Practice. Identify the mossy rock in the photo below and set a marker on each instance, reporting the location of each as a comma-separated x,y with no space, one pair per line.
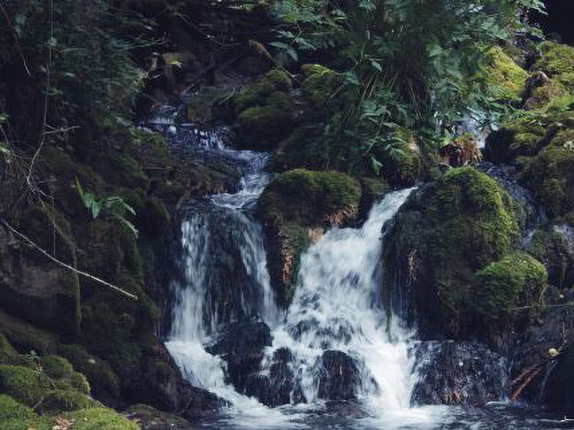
319,85
102,379
57,401
310,198
501,72
293,205
502,286
445,232
550,175
404,168
23,384
122,169
16,416
263,126
256,95
8,355
32,286
101,419
550,246
56,367
526,136
26,337
555,58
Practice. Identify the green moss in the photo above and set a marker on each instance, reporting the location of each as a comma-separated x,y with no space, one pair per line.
320,84
8,355
101,419
10,409
526,136
503,73
264,126
56,367
446,232
310,198
555,58
255,95
26,336
292,204
516,280
101,377
57,401
550,175
550,246
23,384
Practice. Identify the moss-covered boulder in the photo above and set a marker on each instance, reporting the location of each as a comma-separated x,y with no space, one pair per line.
550,175
293,207
501,287
262,126
555,58
265,111
526,136
501,72
319,86
550,246
16,416
56,367
26,385
447,230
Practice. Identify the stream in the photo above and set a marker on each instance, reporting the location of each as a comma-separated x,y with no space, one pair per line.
335,359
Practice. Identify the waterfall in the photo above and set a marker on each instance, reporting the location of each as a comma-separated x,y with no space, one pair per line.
338,307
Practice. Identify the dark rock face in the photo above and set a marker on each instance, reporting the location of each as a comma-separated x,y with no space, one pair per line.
554,329
339,376
35,289
558,390
241,346
278,386
455,373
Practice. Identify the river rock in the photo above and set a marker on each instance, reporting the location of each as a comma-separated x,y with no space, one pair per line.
241,346
338,376
458,373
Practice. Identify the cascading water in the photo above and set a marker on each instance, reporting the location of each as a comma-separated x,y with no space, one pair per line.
338,307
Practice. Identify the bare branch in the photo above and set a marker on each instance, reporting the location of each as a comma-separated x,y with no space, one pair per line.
67,266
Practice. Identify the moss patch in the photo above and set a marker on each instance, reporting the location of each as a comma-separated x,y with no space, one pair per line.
295,203
516,280
23,384
503,73
555,58
443,235
101,419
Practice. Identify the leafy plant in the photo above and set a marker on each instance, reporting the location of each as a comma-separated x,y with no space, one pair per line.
113,207
406,63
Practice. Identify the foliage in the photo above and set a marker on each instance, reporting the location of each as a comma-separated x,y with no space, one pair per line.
404,63
113,207
67,66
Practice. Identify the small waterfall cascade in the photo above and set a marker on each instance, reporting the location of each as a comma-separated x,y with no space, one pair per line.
337,308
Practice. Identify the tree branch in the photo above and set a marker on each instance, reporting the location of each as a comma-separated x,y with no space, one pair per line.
65,265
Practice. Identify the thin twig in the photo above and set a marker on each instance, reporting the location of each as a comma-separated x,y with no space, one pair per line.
16,41
61,263
48,84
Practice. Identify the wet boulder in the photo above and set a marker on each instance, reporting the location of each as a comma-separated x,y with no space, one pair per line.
339,376
458,373
241,346
277,386
559,388
446,232
294,209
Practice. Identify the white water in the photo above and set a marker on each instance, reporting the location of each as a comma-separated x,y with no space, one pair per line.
337,306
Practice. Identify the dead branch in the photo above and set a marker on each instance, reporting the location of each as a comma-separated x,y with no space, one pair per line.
65,265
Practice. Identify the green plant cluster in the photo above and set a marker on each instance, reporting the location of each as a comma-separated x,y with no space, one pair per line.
404,65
